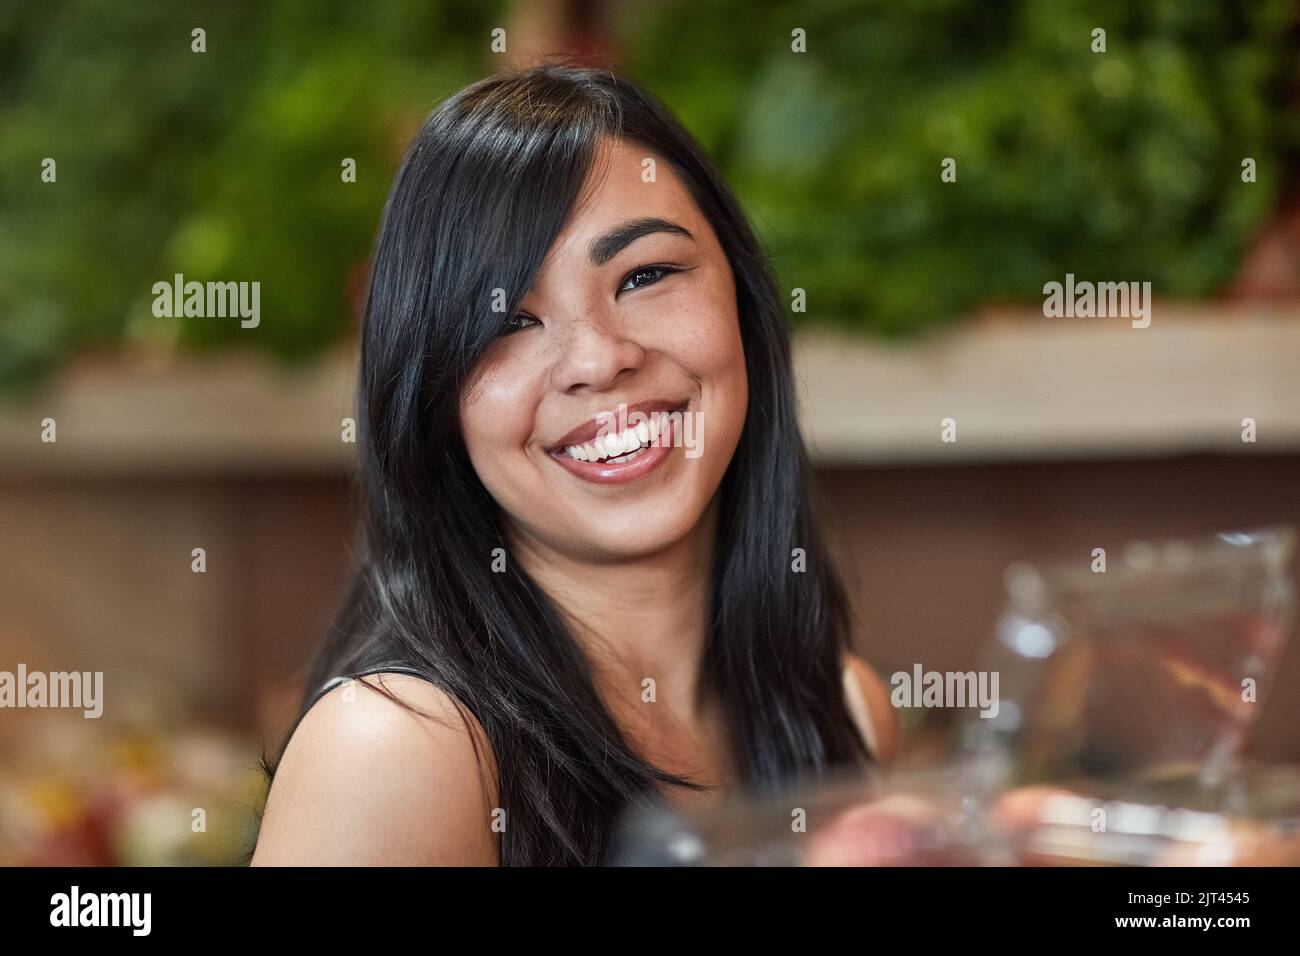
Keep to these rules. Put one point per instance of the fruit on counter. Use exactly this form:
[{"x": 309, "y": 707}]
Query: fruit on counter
[
  {"x": 1052, "y": 825},
  {"x": 898, "y": 830}
]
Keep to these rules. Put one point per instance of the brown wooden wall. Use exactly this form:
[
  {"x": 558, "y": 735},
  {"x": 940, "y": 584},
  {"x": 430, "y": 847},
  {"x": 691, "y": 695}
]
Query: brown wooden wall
[{"x": 96, "y": 575}]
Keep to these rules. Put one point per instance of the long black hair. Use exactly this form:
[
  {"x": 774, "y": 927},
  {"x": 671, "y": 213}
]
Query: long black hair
[{"x": 481, "y": 195}]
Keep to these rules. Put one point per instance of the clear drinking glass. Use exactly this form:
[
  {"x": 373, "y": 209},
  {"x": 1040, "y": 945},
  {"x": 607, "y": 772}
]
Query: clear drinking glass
[{"x": 1157, "y": 665}]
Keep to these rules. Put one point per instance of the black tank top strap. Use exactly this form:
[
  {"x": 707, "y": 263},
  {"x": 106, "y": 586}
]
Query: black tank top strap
[{"x": 392, "y": 667}]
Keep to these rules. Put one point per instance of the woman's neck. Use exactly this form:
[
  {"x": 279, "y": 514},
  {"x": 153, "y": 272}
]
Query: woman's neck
[{"x": 637, "y": 619}]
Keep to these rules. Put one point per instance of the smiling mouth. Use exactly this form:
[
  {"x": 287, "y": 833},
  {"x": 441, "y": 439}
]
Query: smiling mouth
[
  {"x": 603, "y": 455},
  {"x": 616, "y": 448},
  {"x": 594, "y": 442}
]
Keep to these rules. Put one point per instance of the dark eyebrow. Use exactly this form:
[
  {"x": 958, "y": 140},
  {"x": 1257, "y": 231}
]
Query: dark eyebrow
[{"x": 609, "y": 245}]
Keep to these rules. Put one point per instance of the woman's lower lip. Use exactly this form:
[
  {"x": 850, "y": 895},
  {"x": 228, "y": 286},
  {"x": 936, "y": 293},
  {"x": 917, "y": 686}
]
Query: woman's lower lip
[{"x": 608, "y": 473}]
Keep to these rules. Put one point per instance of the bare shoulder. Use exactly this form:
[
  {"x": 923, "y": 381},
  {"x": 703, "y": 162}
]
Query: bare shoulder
[
  {"x": 876, "y": 694},
  {"x": 366, "y": 781}
]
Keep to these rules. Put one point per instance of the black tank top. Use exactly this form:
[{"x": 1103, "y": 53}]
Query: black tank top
[{"x": 859, "y": 714}]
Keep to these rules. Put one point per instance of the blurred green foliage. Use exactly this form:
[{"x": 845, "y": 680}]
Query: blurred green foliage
[
  {"x": 226, "y": 164},
  {"x": 1121, "y": 165},
  {"x": 218, "y": 165}
]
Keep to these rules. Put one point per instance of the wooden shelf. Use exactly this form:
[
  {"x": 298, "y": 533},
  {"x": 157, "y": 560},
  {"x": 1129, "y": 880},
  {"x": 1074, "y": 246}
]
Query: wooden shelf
[
  {"x": 225, "y": 414},
  {"x": 1026, "y": 387},
  {"x": 1020, "y": 387}
]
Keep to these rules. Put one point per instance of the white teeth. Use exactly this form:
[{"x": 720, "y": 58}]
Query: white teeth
[{"x": 616, "y": 448}]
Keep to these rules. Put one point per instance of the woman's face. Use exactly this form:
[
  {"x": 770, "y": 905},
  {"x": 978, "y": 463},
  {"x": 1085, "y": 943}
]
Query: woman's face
[{"x": 632, "y": 314}]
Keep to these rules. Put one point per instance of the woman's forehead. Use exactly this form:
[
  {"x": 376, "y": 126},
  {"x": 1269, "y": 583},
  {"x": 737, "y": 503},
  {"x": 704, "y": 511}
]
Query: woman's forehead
[{"x": 627, "y": 181}]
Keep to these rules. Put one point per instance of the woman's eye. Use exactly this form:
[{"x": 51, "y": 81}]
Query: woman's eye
[
  {"x": 644, "y": 276},
  {"x": 516, "y": 323}
]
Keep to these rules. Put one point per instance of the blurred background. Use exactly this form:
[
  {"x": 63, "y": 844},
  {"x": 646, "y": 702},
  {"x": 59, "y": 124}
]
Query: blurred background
[{"x": 923, "y": 302}]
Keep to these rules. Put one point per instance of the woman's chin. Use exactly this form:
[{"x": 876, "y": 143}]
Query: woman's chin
[{"x": 630, "y": 538}]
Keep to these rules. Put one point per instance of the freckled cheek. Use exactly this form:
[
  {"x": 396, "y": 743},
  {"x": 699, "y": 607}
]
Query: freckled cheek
[
  {"x": 706, "y": 343},
  {"x": 497, "y": 424}
]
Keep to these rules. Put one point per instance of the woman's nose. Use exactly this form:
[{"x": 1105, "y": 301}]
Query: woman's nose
[{"x": 594, "y": 352}]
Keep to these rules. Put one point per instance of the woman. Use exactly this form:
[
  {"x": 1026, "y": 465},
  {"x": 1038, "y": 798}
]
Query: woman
[{"x": 590, "y": 572}]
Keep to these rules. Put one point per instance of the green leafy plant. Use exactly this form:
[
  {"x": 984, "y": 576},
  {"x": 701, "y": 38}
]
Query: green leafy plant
[
  {"x": 222, "y": 165},
  {"x": 225, "y": 165},
  {"x": 1122, "y": 165}
]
